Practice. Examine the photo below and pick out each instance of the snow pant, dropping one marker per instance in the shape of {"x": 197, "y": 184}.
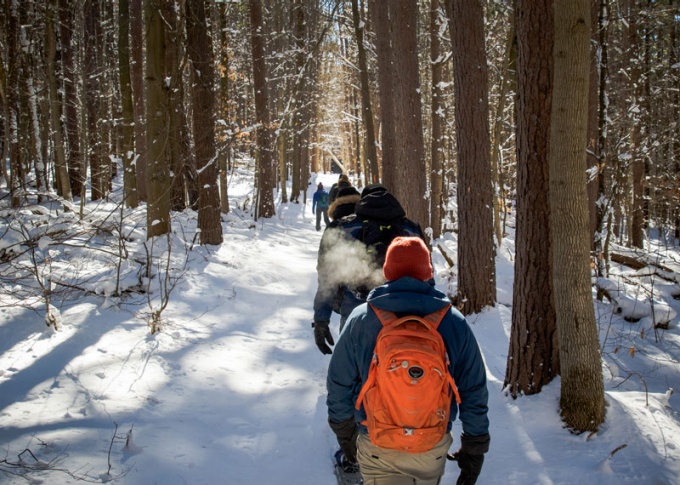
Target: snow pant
{"x": 380, "y": 466}
{"x": 319, "y": 211}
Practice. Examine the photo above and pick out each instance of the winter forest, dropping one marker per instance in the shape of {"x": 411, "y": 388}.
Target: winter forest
{"x": 159, "y": 158}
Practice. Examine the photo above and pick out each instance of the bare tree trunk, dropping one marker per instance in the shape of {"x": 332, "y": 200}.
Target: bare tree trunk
{"x": 380, "y": 13}
{"x": 4, "y": 175}
{"x": 199, "y": 47}
{"x": 437, "y": 116}
{"x": 410, "y": 149}
{"x": 75, "y": 159}
{"x": 582, "y": 396}
{"x": 128, "y": 148}
{"x": 137, "y": 78}
{"x": 223, "y": 157}
{"x": 266, "y": 174}
{"x": 55, "y": 104}
{"x": 496, "y": 165}
{"x": 533, "y": 357}
{"x": 297, "y": 91}
{"x": 157, "y": 173}
{"x": 176, "y": 150}
{"x": 637, "y": 170}
{"x": 13, "y": 78}
{"x": 476, "y": 254}
{"x": 91, "y": 95}
{"x": 370, "y": 153}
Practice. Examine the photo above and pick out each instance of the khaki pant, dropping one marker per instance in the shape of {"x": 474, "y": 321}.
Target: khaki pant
{"x": 380, "y": 466}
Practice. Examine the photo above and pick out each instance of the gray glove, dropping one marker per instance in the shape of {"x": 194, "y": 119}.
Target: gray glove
{"x": 322, "y": 334}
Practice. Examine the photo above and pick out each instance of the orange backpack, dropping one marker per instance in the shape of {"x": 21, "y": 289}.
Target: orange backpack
{"x": 407, "y": 395}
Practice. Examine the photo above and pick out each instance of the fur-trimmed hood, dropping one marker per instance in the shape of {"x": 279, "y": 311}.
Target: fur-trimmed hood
{"x": 343, "y": 205}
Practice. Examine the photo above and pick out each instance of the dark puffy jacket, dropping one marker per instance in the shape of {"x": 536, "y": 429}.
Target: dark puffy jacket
{"x": 351, "y": 359}
{"x": 336, "y": 188}
{"x": 344, "y": 263}
{"x": 341, "y": 207}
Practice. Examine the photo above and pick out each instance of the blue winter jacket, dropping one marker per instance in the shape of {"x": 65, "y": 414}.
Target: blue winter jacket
{"x": 352, "y": 355}
{"x": 319, "y": 198}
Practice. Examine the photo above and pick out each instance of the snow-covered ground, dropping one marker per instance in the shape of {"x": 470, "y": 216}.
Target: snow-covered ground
{"x": 232, "y": 390}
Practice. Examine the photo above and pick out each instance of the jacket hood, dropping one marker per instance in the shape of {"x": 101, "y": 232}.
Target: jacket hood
{"x": 408, "y": 295}
{"x": 380, "y": 205}
{"x": 344, "y": 206}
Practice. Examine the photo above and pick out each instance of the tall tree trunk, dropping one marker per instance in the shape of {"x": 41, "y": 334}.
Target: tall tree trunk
{"x": 370, "y": 153}
{"x": 380, "y": 12}
{"x": 592, "y": 156}
{"x": 437, "y": 116}
{"x": 55, "y": 104}
{"x": 476, "y": 258}
{"x": 533, "y": 357}
{"x": 128, "y": 148}
{"x": 24, "y": 135}
{"x": 582, "y": 394}
{"x": 199, "y": 48}
{"x": 92, "y": 95}
{"x": 410, "y": 149}
{"x": 265, "y": 171}
{"x": 137, "y": 78}
{"x": 157, "y": 173}
{"x": 496, "y": 162}
{"x": 298, "y": 87}
{"x": 637, "y": 169}
{"x": 176, "y": 150}
{"x": 6, "y": 141}
{"x": 223, "y": 157}
{"x": 601, "y": 207}
{"x": 75, "y": 159}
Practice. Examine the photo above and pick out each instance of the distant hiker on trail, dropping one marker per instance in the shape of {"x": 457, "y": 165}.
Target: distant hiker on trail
{"x": 380, "y": 385}
{"x": 342, "y": 183}
{"x": 351, "y": 256}
{"x": 320, "y": 206}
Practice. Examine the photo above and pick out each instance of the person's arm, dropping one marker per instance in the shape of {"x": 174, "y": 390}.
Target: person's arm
{"x": 470, "y": 376}
{"x": 325, "y": 295}
{"x": 343, "y": 378}
{"x": 342, "y": 383}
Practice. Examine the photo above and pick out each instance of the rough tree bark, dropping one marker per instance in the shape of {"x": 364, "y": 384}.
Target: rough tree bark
{"x": 582, "y": 392}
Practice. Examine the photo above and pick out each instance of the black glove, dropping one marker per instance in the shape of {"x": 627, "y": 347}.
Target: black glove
{"x": 470, "y": 457}
{"x": 322, "y": 334}
{"x": 346, "y": 432}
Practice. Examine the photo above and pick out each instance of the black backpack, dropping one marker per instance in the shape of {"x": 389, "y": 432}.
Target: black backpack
{"x": 377, "y": 234}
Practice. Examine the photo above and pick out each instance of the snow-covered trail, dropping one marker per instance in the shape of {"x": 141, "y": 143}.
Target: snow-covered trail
{"x": 246, "y": 377}
{"x": 232, "y": 391}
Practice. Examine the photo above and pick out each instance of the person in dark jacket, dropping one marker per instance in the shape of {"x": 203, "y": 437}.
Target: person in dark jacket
{"x": 342, "y": 183}
{"x": 408, "y": 290}
{"x": 343, "y": 205}
{"x": 346, "y": 264}
{"x": 320, "y": 206}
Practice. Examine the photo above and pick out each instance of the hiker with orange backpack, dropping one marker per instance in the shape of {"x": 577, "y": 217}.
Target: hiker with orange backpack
{"x": 404, "y": 367}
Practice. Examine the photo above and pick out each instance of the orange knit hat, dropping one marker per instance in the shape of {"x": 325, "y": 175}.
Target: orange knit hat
{"x": 407, "y": 256}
